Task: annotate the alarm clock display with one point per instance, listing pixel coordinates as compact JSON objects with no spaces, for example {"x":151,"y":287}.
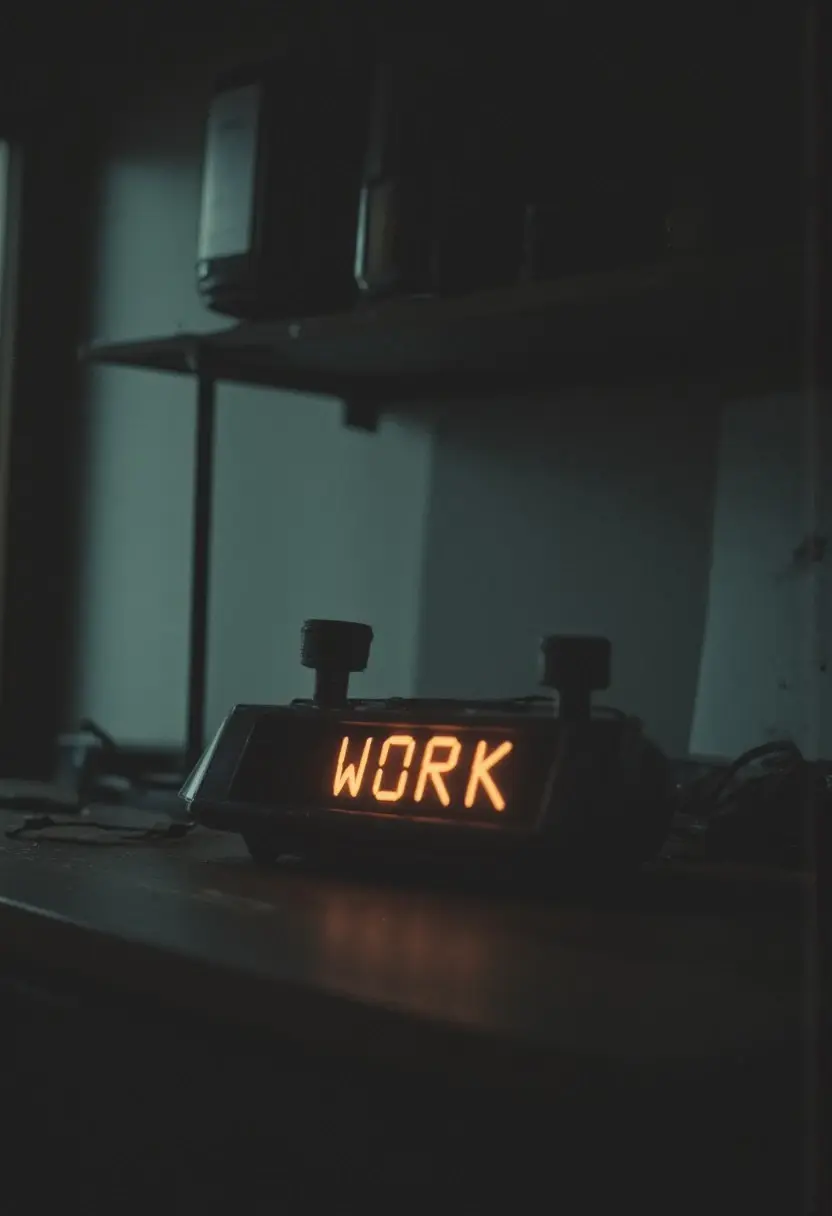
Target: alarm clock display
{"x":555,"y":779}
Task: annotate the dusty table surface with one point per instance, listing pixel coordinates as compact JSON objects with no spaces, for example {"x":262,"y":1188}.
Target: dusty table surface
{"x":688,"y":967}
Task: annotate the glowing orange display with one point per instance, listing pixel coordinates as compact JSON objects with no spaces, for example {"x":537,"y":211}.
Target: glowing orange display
{"x":409,"y":746}
{"x":433,"y":769}
{"x":421,"y":770}
{"x":481,"y":766}
{"x":348,"y":774}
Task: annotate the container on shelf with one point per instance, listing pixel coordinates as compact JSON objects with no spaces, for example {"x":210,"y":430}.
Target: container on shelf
{"x":282,"y":171}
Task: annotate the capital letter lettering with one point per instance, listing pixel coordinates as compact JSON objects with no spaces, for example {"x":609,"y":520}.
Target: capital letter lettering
{"x":409,"y":746}
{"x":481,"y":767}
{"x":347,"y":774}
{"x":433,"y":769}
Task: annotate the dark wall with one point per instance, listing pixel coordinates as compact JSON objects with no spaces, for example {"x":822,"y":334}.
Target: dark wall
{"x":53,"y":240}
{"x":51,"y":94}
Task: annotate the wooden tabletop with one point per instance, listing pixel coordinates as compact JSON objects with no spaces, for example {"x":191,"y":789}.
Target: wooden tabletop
{"x":687,"y":967}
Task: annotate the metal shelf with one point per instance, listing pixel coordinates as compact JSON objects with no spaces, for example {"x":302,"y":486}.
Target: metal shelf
{"x":730,"y":319}
{"x":713,"y":315}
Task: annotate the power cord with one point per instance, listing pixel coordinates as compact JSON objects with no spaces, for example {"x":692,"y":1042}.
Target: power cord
{"x":758,"y":809}
{"x":95,"y":832}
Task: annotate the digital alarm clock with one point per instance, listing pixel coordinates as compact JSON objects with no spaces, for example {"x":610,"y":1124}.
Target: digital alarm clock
{"x":559,"y":781}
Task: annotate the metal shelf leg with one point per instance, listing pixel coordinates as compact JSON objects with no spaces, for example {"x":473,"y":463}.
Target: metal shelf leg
{"x":200,"y":567}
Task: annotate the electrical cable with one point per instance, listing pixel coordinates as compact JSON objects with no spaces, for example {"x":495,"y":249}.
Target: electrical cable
{"x":732,"y":814}
{"x":74,"y":831}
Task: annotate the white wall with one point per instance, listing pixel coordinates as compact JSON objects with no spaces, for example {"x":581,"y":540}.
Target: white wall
{"x":313,"y":519}
{"x":131,"y":653}
{"x":750,"y":664}
{"x":462,"y":542}
{"x":761,"y":672}
{"x":310,"y":518}
{"x":590,"y":514}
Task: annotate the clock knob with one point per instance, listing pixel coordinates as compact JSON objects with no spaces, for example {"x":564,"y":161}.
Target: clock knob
{"x":576,"y":666}
{"x":333,"y":649}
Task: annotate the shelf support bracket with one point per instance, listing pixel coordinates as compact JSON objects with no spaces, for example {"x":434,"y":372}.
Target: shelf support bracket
{"x":361,"y":413}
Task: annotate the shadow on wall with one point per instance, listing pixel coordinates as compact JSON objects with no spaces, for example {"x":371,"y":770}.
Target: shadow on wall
{"x":592,"y":515}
